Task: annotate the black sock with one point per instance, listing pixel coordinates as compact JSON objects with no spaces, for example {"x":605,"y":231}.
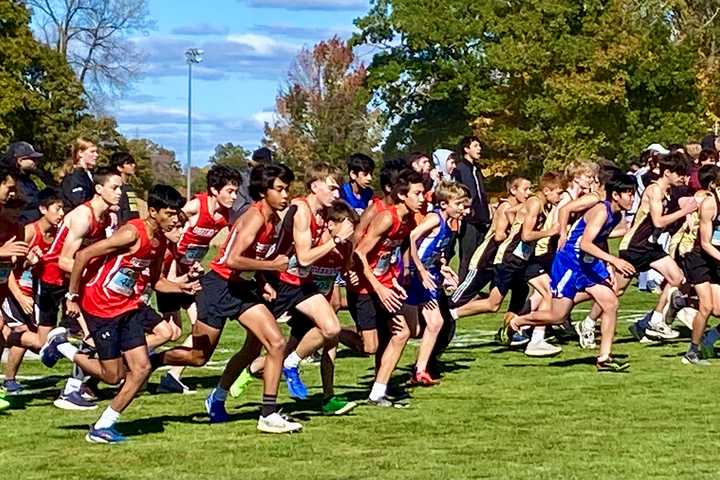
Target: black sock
{"x":156,"y":361}
{"x":269,"y":405}
{"x":693,"y":348}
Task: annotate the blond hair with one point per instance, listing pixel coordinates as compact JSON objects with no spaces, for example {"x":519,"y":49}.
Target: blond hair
{"x":446,"y":191}
{"x":78,"y":146}
{"x":580,"y":167}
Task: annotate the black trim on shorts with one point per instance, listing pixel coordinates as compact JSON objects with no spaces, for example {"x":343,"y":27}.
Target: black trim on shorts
{"x":221,"y":299}
{"x":113,"y":336}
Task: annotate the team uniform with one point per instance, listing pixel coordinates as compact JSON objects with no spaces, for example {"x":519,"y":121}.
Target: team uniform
{"x":358,"y":203}
{"x":573,"y":270}
{"x":698,"y":266}
{"x":192,"y":247}
{"x":27,"y":279}
{"x":640,"y":245}
{"x":112,"y":301}
{"x":429,"y":252}
{"x":226,"y":293}
{"x":53,"y":281}
{"x":544,"y":249}
{"x":8,"y":229}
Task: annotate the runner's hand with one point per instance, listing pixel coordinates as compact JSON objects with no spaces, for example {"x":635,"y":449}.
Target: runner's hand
{"x":14,"y":248}
{"x":280,"y":263}
{"x":33,"y":255}
{"x":399,"y":289}
{"x":389,"y":298}
{"x":269,"y":292}
{"x":72,"y":309}
{"x":190,"y":287}
{"x":345,"y":231}
{"x":427,"y":280}
{"x":26,"y":303}
{"x":623,"y":267}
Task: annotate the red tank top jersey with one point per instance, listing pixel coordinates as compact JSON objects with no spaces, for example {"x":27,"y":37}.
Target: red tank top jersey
{"x":195,"y":241}
{"x":49,"y":267}
{"x":257,"y":250}
{"x":363,"y":287}
{"x":118,"y":286}
{"x":296,"y":274}
{"x":8,"y":229}
{"x":384,"y":258}
{"x":25,"y":278}
{"x":170,"y":255}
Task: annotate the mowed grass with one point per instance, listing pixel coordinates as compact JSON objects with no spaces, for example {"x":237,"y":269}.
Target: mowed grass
{"x":497,"y":414}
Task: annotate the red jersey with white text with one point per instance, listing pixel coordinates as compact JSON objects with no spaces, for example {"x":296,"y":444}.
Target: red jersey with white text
{"x":118,"y":286}
{"x":25,"y":278}
{"x":297,"y":274}
{"x":49,"y":267}
{"x":364,"y":287}
{"x":384,"y":258}
{"x":195,"y":241}
{"x":258,"y":249}
{"x":326,"y":270}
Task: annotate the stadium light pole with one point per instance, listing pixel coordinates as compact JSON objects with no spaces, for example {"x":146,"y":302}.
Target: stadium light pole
{"x":192,"y":55}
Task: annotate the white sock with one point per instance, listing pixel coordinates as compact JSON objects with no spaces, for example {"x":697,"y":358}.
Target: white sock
{"x":588,"y":323}
{"x":657,"y":318}
{"x":538,"y":335}
{"x":292,"y":360}
{"x":108,"y":418}
{"x":72,"y":385}
{"x":68,"y":350}
{"x":378,"y":391}
{"x":220,"y":393}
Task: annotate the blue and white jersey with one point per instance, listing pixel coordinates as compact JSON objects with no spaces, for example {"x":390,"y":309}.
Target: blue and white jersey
{"x":359,"y":204}
{"x":432,"y":247}
{"x":578,"y":229}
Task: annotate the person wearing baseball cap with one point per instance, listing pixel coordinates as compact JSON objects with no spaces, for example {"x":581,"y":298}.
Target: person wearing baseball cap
{"x":25,"y":158}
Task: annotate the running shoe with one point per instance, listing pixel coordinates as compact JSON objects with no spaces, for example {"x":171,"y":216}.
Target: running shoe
{"x":337,"y":405}
{"x":542,"y":349}
{"x":520,"y":339}
{"x":277,"y":423}
{"x":12,"y":386}
{"x":216,"y":409}
{"x":49,"y":353}
{"x":504,"y":335}
{"x":423,"y":379}
{"x":693,"y":358}
{"x":104,"y":435}
{"x":240,"y":385}
{"x":385,"y":402}
{"x":586,"y":334}
{"x":676,"y":301}
{"x":612,"y":365}
{"x":296,"y":387}
{"x":73,"y":401}
{"x":636,"y":329}
{"x":661,"y":331}
{"x":89,"y":392}
{"x":170,"y":384}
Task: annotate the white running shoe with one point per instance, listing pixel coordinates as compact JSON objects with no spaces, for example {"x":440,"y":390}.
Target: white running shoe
{"x":586,"y":336}
{"x":542,"y":349}
{"x":661,"y":331}
{"x":276,"y":423}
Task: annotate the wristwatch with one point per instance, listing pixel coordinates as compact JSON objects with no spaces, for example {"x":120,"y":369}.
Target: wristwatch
{"x":71,"y":296}
{"x":337,"y":240}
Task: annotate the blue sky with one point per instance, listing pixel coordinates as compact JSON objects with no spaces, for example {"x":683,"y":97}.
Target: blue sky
{"x":249,"y":45}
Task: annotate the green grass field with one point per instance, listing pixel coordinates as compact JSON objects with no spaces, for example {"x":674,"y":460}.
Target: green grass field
{"x":497,"y":414}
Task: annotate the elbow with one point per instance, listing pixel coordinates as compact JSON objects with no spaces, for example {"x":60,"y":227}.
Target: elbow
{"x":303,"y":261}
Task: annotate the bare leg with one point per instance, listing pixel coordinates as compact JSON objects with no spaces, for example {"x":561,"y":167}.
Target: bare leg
{"x":433,"y":324}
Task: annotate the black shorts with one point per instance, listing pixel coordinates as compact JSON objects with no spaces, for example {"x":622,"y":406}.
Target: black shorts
{"x":510,"y":274}
{"x":642,"y":257}
{"x":14,"y":314}
{"x":172,"y":302}
{"x":221,"y":299}
{"x":474,"y":282}
{"x":367,"y":311}
{"x":112,"y":336}
{"x":700,"y":268}
{"x":290,"y":296}
{"x":539,"y":265}
{"x":150,"y":318}
{"x":49,"y":299}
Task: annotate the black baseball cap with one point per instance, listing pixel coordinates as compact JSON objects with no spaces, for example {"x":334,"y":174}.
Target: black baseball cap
{"x":22,"y":149}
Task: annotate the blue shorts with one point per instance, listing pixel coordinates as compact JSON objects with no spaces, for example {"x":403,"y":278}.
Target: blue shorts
{"x":572,"y":273}
{"x":417,"y":293}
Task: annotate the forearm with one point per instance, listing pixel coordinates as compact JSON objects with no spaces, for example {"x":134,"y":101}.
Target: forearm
{"x":243,"y":264}
{"x":666,"y":220}
{"x":312,"y":255}
{"x":78,"y":267}
{"x":163,"y":285}
{"x":591,"y":249}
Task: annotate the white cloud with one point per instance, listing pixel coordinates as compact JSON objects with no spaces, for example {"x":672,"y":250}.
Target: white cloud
{"x":311,"y":4}
{"x":260,"y":44}
{"x":261,"y":118}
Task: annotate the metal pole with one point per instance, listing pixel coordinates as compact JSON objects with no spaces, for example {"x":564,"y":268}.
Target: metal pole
{"x":189,"y":129}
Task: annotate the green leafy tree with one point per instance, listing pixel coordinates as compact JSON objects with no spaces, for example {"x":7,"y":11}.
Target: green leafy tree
{"x":541,"y":82}
{"x":230,"y":155}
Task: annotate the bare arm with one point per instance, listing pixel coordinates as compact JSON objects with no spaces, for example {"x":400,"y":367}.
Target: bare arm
{"x":528,"y":232}
{"x":594,"y":221}
{"x":367,"y":216}
{"x":654,"y":197}
{"x":502,"y":220}
{"x":246,"y":230}
{"x":378,"y":227}
{"x":707,"y":213}
{"x":78,"y":227}
{"x":302,"y":236}
{"x":580,"y":204}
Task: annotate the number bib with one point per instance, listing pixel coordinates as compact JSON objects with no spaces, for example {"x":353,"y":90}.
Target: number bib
{"x":523,"y":250}
{"x":294,"y":268}
{"x":26,"y":280}
{"x":123,"y":282}
{"x":194,"y":253}
{"x":5,"y":269}
{"x":385,"y":261}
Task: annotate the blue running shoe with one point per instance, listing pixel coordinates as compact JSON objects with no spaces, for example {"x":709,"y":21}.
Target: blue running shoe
{"x":296,"y":387}
{"x":73,"y":401}
{"x":104,"y":435}
{"x":216,"y":409}
{"x":12,"y":387}
{"x":49,"y":353}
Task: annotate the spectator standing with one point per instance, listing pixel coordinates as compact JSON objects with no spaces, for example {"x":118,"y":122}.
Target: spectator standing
{"x":125,"y":165}
{"x":261,"y":156}
{"x":77,"y":184}
{"x":23,"y":157}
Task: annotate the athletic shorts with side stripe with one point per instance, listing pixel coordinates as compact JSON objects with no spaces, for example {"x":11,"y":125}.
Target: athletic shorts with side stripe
{"x":573,"y":272}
